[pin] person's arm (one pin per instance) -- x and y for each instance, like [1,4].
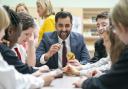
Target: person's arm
[31,56]
[10,57]
[45,51]
[116,78]
[20,81]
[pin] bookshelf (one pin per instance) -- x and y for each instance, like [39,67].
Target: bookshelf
[89,26]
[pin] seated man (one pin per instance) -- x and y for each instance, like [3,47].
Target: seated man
[55,45]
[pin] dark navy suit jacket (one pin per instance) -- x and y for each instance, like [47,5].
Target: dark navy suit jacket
[77,45]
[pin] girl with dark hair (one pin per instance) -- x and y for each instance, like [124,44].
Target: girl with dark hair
[7,72]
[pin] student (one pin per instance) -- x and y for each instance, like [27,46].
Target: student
[46,12]
[116,78]
[11,34]
[21,7]
[102,22]
[54,45]
[8,73]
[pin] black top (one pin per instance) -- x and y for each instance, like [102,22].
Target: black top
[10,57]
[100,51]
[117,78]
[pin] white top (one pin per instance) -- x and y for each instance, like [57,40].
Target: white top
[22,52]
[67,41]
[11,79]
[103,64]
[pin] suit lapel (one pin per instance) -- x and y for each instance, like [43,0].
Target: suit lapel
[54,40]
[73,42]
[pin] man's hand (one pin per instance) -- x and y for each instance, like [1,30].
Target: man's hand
[53,49]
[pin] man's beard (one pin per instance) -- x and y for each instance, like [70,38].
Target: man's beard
[63,34]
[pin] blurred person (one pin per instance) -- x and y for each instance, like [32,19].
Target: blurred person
[46,12]
[11,36]
[21,7]
[116,78]
[8,73]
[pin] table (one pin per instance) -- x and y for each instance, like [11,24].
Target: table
[63,83]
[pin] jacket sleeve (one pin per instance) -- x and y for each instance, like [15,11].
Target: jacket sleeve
[41,50]
[84,54]
[10,57]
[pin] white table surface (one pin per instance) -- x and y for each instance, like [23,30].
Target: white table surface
[63,83]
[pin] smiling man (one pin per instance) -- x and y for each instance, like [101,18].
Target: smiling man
[55,45]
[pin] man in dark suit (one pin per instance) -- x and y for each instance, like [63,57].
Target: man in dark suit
[51,50]
[103,21]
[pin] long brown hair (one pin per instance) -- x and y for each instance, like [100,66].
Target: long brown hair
[117,46]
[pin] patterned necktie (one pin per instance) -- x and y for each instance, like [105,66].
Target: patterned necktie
[64,52]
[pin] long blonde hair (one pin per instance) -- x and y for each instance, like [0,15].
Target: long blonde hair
[4,19]
[48,5]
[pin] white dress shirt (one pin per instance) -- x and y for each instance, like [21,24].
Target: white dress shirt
[11,79]
[67,42]
[22,52]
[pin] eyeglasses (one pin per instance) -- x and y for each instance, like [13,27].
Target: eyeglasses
[64,25]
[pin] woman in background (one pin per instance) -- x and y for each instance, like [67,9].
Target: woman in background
[45,11]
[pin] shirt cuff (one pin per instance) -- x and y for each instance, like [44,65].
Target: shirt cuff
[42,61]
[83,72]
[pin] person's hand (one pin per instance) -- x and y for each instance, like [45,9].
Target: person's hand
[37,73]
[48,79]
[78,84]
[31,38]
[71,70]
[58,73]
[74,62]
[44,68]
[94,73]
[53,49]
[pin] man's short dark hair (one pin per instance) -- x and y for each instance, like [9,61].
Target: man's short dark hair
[26,20]
[63,14]
[103,15]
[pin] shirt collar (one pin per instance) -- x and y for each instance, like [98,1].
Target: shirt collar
[66,40]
